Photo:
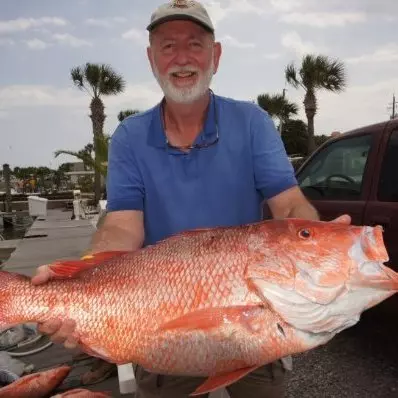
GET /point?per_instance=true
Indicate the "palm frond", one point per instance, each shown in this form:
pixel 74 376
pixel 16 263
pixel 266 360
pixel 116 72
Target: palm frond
pixel 126 113
pixel 111 82
pixel 77 76
pixel 311 71
pixel 322 72
pixel 291 75
pixel 277 105
pixel 102 79
pixel 290 108
pixel 335 79
pixel 92 74
pixel 65 152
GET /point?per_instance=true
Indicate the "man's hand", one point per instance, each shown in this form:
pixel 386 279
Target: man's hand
pixel 344 219
pixel 62 333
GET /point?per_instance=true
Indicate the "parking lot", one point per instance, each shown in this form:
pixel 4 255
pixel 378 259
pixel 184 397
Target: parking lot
pixel 360 362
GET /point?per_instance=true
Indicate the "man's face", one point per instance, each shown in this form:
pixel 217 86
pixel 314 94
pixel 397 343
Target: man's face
pixel 183 58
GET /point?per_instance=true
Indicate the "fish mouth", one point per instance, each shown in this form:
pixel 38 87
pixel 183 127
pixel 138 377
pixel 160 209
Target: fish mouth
pixel 369 255
pixel 372 243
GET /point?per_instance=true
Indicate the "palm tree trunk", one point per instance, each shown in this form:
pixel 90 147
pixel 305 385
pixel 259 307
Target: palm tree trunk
pixel 98 118
pixel 310 111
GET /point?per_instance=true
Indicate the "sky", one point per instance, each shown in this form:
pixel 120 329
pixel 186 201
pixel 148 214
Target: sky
pixel 41 110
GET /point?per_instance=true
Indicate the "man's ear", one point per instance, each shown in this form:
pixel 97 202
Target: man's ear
pixel 150 56
pixel 217 55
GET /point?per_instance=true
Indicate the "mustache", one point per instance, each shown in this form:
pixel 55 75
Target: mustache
pixel 183 69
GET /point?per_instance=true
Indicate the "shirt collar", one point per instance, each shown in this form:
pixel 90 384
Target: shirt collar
pixel 157 135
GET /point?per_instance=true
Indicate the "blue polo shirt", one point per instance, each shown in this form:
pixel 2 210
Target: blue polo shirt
pixel 221 185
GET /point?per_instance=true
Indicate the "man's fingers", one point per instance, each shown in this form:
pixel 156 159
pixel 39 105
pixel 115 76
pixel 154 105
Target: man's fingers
pixel 71 342
pixel 50 326
pixel 42 275
pixel 64 332
pixel 344 219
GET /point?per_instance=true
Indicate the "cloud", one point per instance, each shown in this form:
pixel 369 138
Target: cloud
pixel 136 36
pixel 324 19
pixel 33 96
pixel 285 5
pixel 293 41
pixel 37 44
pixel 272 56
pixel 70 40
pixel 387 53
pixel 105 22
pixel 231 41
pixel 23 24
pixel 218 12
pixel 359 105
pixel 6 42
pixel 36 96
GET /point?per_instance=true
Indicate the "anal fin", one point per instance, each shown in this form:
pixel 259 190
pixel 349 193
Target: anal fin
pixel 222 380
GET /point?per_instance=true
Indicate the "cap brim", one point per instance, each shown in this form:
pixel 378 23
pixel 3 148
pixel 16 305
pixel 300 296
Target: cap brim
pixel 179 17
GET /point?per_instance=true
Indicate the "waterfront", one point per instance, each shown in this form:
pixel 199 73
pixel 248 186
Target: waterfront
pixel 20 226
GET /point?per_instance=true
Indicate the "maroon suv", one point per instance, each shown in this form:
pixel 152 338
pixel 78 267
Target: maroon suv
pixel 356 173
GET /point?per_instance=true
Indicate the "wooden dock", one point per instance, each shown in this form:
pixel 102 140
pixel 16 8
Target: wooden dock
pixel 56 237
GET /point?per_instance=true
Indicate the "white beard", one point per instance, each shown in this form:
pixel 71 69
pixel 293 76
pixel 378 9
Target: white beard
pixel 185 95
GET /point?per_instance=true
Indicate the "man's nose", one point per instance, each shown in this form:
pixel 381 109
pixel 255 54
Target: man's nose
pixel 182 55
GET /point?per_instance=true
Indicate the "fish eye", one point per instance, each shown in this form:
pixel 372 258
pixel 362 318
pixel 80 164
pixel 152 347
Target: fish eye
pixel 304 233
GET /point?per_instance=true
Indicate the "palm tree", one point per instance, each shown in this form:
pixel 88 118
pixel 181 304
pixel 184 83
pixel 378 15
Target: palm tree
pixel 98 80
pixel 127 112
pixel 99 162
pixel 277 106
pixel 315 73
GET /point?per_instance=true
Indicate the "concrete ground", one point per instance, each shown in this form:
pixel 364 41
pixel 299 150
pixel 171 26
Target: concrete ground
pixel 57 237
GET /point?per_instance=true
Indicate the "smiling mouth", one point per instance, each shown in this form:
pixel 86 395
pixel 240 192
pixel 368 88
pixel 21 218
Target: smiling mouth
pixel 183 75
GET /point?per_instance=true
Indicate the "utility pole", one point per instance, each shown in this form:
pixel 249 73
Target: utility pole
pixel 281 120
pixel 6 175
pixel 393 107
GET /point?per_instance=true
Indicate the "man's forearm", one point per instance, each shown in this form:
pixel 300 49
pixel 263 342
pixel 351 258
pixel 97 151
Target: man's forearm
pixel 305 211
pixel 109 238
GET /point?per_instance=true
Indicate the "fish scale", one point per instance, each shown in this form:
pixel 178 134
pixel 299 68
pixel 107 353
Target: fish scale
pixel 215 302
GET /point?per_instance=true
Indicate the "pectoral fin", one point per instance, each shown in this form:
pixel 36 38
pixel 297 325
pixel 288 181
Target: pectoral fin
pixel 222 380
pixel 71 268
pixel 214 317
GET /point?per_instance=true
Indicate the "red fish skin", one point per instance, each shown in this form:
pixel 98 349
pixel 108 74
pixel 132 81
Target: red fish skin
pixel 36 385
pixel 82 393
pixel 131 307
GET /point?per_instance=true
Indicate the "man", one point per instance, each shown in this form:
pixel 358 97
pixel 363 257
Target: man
pixel 195 160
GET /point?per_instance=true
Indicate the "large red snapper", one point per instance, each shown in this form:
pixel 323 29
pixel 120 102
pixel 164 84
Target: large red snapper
pixel 213 302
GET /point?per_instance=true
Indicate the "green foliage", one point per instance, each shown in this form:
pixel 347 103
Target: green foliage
pixel 126 113
pixel 315 73
pixel 86 155
pixel 277 106
pixel 97 79
pixel 294 136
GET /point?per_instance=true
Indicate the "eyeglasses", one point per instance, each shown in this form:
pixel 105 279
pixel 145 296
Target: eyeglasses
pixel 200 145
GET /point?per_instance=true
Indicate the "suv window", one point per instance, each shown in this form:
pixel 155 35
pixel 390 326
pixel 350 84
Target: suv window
pixel 336 172
pixel 388 185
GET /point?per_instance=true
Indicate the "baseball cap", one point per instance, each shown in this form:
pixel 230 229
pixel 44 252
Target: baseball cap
pixel 181 10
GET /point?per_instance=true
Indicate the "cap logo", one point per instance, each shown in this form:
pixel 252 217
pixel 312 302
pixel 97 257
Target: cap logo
pixel 182 4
